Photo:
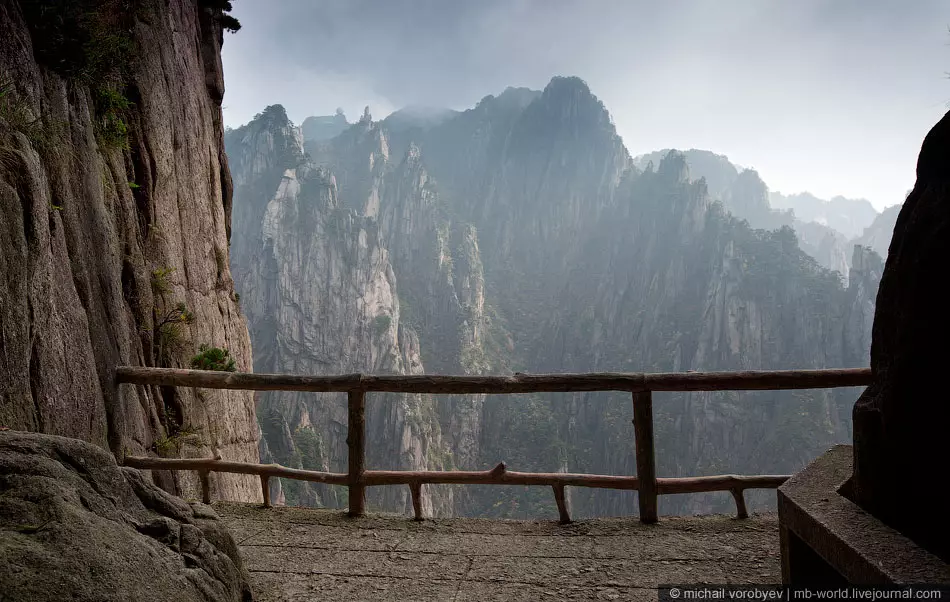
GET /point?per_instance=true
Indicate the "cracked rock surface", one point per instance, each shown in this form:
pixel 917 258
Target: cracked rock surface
pixel 74 525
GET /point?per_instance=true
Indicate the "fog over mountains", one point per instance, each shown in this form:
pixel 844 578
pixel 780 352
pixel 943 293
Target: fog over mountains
pixel 520 235
pixel 827 97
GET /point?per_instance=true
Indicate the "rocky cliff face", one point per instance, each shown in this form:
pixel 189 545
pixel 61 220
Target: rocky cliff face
pixel 519 236
pixel 699 290
pixel 317 268
pixel 877 236
pixel 824 228
pixel 827 246
pixel 115 224
pixel 867 268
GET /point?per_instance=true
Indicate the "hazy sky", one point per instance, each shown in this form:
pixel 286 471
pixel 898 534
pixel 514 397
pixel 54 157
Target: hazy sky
pixel 831 97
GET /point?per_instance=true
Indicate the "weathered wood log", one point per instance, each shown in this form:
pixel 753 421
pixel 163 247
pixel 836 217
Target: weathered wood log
pixel 205 479
pixel 415 489
pixel 493 477
pixel 562 507
pixel 265 489
pixel 497 476
pixel 758 380
pixel 646 462
pixel 741 511
pixel 235 380
pixel 271 470
pixel 519 383
pixel 727 482
pixel 356 439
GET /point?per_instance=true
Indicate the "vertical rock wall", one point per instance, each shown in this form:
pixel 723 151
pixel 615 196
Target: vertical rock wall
pixel 115 210
pixel 900 448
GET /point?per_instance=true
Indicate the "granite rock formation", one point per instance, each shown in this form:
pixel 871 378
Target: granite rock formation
pixel 318 283
pixel 74 525
pixel 116 202
pixel 900 422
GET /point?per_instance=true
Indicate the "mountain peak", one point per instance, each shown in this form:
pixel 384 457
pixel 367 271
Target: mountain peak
pixel 273 116
pixel 569 99
pixel 749 194
pixel 674 166
pixel 519 97
pixel 572 84
pixel 571 91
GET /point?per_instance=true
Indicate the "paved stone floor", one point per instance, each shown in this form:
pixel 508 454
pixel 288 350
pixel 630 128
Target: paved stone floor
pixel 306 554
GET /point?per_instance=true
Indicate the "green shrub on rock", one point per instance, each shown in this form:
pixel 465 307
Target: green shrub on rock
pixel 213 358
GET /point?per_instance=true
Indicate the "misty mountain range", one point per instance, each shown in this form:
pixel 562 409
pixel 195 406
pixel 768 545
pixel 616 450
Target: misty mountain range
pixel 520 235
pixel 827 228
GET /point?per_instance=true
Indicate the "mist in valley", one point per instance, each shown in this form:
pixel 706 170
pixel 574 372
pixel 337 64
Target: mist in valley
pixel 546 187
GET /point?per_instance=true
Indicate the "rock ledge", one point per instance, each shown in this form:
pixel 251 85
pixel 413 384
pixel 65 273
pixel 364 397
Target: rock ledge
pixel 74 525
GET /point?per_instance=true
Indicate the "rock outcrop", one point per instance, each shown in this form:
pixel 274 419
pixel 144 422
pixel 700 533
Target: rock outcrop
pixel 74 525
pixel 900 422
pixel 116 199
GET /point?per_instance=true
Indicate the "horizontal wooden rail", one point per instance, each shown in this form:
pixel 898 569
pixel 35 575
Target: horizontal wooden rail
pixel 519 383
pixel 269 470
pixel 357 478
pixel 725 482
pixel 500 475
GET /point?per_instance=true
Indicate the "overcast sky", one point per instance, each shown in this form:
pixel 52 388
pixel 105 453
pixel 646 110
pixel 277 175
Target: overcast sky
pixel 831 97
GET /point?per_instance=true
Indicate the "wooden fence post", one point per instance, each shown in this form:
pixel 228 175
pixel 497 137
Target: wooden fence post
pixel 415 489
pixel 646 463
pixel 563 509
pixel 741 511
pixel 356 439
pixel 205 479
pixel 265 489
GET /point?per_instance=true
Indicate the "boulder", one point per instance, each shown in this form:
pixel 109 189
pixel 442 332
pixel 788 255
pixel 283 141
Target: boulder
pixel 901 453
pixel 74 525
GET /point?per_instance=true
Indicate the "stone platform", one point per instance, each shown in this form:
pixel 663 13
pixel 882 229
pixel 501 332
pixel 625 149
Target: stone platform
pixel 296 554
pixel 830 540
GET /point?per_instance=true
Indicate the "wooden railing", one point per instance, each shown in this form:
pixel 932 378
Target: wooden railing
pixel 358 478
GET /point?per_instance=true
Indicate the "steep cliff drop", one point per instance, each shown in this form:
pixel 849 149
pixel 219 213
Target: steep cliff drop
pixel 114 229
pixel 519 236
pixel 317 268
